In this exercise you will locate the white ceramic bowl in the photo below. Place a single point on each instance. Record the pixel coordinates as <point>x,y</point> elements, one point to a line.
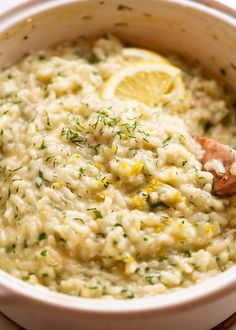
<point>190,28</point>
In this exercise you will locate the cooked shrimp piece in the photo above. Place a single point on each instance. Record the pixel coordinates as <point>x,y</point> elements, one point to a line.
<point>220,160</point>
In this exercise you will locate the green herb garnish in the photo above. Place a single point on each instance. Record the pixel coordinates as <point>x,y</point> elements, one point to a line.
<point>44,253</point>
<point>10,249</point>
<point>188,254</point>
<point>42,236</point>
<point>97,213</point>
<point>43,145</point>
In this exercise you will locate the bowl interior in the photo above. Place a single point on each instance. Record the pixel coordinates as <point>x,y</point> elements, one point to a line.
<point>188,28</point>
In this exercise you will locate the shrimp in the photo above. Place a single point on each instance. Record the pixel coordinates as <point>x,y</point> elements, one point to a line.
<point>224,183</point>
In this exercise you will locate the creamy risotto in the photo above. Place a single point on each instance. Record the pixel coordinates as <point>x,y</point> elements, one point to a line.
<point>107,198</point>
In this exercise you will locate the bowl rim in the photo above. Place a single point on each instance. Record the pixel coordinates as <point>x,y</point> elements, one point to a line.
<point>25,8</point>
<point>222,6</point>
<point>214,288</point>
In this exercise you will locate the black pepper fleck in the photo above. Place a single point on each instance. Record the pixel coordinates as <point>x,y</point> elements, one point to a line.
<point>223,72</point>
<point>207,126</point>
<point>86,17</point>
<point>147,15</point>
<point>124,7</point>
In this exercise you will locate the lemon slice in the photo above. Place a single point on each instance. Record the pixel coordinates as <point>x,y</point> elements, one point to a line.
<point>148,82</point>
<point>138,54</point>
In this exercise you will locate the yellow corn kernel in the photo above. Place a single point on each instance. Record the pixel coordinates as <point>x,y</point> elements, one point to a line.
<point>136,168</point>
<point>152,185</point>
<point>137,201</point>
<point>98,165</point>
<point>167,222</point>
<point>209,228</point>
<point>177,197</point>
<point>180,225</point>
<point>114,149</point>
<point>127,258</point>
<point>57,185</point>
<point>158,229</point>
<point>149,189</point>
<point>100,197</point>
<point>123,165</point>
